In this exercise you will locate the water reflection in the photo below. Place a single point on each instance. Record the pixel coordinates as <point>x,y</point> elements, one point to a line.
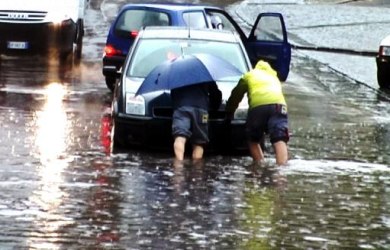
<point>105,130</point>
<point>50,144</point>
<point>103,205</point>
<point>195,205</point>
<point>348,205</point>
<point>262,206</point>
<point>51,125</point>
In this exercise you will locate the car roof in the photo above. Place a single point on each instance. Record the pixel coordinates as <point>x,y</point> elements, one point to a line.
<point>170,6</point>
<point>180,32</point>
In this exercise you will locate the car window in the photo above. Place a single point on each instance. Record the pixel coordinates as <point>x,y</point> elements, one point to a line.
<point>269,28</point>
<point>220,21</point>
<point>195,19</point>
<point>133,20</point>
<point>145,58</point>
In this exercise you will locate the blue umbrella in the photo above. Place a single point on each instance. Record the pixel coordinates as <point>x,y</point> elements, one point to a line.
<point>187,70</point>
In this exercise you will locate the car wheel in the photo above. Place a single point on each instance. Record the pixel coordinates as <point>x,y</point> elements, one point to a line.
<point>383,78</point>
<point>116,141</point>
<point>110,82</point>
<point>114,137</point>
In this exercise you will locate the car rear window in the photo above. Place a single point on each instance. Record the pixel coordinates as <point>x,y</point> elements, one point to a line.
<point>151,52</point>
<point>133,20</point>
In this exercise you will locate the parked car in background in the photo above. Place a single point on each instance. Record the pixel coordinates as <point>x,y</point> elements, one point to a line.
<point>383,63</point>
<point>145,120</point>
<point>267,41</point>
<point>42,26</point>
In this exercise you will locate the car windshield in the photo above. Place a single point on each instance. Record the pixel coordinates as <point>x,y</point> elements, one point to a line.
<point>151,52</point>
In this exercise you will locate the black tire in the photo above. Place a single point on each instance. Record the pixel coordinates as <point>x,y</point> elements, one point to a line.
<point>383,78</point>
<point>110,82</point>
<point>116,141</point>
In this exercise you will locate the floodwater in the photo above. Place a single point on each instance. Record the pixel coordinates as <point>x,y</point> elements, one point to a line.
<point>62,189</point>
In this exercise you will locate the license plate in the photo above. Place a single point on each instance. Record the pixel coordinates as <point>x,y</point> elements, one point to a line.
<point>17,45</point>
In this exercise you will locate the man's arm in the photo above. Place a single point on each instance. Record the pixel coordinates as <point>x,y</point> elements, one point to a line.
<point>236,96</point>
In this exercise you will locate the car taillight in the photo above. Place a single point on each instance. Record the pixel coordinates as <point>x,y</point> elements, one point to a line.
<point>134,33</point>
<point>110,50</point>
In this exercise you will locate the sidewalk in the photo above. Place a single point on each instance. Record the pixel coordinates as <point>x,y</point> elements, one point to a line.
<point>348,28</point>
<point>325,25</point>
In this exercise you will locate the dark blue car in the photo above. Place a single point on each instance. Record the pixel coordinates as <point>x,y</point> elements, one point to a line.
<point>267,40</point>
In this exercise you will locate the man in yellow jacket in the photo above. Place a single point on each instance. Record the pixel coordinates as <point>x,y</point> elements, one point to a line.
<point>267,111</point>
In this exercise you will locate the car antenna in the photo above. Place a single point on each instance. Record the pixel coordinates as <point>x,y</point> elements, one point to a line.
<point>189,25</point>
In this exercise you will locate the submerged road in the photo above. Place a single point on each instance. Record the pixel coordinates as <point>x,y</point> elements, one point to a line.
<point>62,189</point>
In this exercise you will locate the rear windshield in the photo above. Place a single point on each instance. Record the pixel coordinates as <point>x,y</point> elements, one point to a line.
<point>133,20</point>
<point>151,52</point>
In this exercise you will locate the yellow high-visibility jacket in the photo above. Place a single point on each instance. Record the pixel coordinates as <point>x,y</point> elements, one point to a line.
<point>262,86</point>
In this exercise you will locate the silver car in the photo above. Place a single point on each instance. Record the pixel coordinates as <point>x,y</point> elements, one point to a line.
<point>145,120</point>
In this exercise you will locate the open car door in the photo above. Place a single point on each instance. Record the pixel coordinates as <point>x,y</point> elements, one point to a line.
<point>268,41</point>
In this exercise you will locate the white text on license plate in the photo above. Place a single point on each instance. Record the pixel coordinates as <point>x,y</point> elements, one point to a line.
<point>17,45</point>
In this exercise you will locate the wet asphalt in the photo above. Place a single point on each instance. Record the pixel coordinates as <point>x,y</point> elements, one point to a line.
<point>62,189</point>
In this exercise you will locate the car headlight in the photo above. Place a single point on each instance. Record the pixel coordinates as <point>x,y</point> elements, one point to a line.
<point>135,105</point>
<point>57,17</point>
<point>384,51</point>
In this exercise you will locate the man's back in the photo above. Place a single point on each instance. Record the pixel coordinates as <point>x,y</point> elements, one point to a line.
<point>196,95</point>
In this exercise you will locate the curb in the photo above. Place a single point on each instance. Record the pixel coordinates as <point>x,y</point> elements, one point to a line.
<point>336,50</point>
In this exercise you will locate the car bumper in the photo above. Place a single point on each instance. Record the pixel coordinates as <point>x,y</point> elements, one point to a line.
<point>145,132</point>
<point>156,134</point>
<point>37,37</point>
<point>112,61</point>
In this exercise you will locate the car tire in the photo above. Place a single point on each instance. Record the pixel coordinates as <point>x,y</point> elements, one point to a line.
<point>110,82</point>
<point>383,78</point>
<point>114,137</point>
<point>117,141</point>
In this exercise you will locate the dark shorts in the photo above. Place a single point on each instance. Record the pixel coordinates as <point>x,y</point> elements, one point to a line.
<point>269,119</point>
<point>191,123</point>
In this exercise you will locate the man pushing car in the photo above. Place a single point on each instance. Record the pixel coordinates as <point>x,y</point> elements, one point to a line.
<point>267,111</point>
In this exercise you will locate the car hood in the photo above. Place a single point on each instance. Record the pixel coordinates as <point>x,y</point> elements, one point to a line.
<point>132,84</point>
<point>37,5</point>
<point>56,11</point>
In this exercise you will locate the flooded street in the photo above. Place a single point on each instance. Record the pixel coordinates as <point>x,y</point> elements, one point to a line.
<point>62,189</point>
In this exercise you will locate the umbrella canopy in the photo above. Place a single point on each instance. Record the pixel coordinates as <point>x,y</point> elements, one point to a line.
<point>187,70</point>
